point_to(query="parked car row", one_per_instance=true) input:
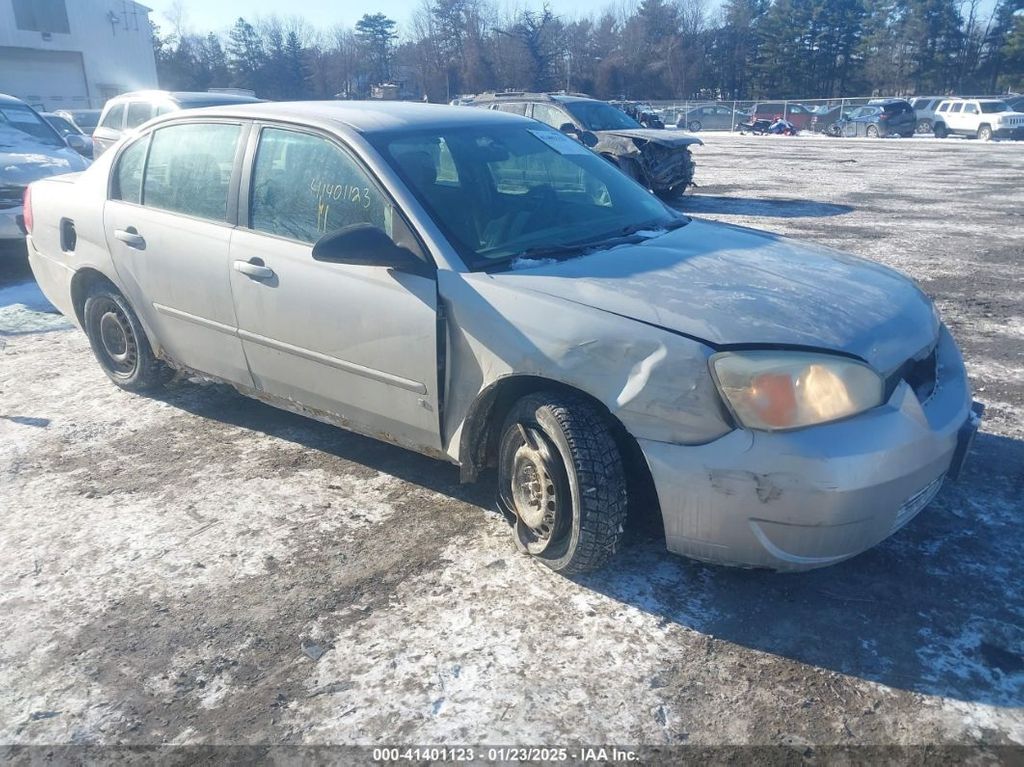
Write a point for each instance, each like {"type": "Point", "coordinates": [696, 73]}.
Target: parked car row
{"type": "Point", "coordinates": [34, 145]}
{"type": "Point", "coordinates": [888, 116]}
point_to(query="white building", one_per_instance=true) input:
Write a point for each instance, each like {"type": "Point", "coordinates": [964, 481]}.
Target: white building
{"type": "Point", "coordinates": [74, 53]}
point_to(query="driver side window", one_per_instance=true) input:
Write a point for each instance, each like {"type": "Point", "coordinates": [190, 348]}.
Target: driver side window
{"type": "Point", "coordinates": [304, 186]}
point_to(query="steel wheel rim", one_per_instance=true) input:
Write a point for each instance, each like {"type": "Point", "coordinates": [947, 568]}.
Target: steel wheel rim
{"type": "Point", "coordinates": [117, 339]}
{"type": "Point", "coordinates": [539, 492]}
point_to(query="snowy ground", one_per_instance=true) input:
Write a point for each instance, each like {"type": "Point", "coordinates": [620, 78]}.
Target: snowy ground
{"type": "Point", "coordinates": [201, 568]}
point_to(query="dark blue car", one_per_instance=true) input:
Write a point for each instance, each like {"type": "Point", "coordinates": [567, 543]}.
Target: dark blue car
{"type": "Point", "coordinates": [878, 118]}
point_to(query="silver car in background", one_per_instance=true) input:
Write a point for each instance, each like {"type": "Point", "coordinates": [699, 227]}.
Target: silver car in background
{"type": "Point", "coordinates": [481, 288]}
{"type": "Point", "coordinates": [30, 149]}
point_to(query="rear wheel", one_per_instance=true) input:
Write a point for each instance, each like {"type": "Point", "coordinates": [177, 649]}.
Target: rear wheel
{"type": "Point", "coordinates": [940, 130]}
{"type": "Point", "coordinates": [871, 132]}
{"type": "Point", "coordinates": [120, 344]}
{"type": "Point", "coordinates": [561, 481]}
{"type": "Point", "coordinates": [924, 126]}
{"type": "Point", "coordinates": [694, 126]}
{"type": "Point", "coordinates": [985, 133]}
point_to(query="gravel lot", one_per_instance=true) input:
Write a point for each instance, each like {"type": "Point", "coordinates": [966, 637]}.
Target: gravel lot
{"type": "Point", "coordinates": [201, 568]}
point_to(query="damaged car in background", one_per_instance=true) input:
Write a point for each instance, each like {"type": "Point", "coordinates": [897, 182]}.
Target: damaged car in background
{"type": "Point", "coordinates": [481, 288]}
{"type": "Point", "coordinates": [660, 160]}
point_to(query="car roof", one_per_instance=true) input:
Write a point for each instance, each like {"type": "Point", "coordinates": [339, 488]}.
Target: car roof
{"type": "Point", "coordinates": [361, 116]}
{"type": "Point", "coordinates": [491, 97]}
{"type": "Point", "coordinates": [190, 97]}
{"type": "Point", "coordinates": [5, 99]}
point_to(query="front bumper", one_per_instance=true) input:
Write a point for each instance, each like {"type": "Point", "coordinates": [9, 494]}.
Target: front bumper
{"type": "Point", "coordinates": [667, 168]}
{"type": "Point", "coordinates": [812, 497]}
{"type": "Point", "coordinates": [1016, 133]}
{"type": "Point", "coordinates": [11, 223]}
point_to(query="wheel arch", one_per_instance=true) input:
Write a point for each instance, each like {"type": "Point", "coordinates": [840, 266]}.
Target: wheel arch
{"type": "Point", "coordinates": [84, 280]}
{"type": "Point", "coordinates": [481, 432]}
{"type": "Point", "coordinates": [82, 283]}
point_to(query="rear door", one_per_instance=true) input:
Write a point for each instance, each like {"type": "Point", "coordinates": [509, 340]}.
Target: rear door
{"type": "Point", "coordinates": [168, 223]}
{"type": "Point", "coordinates": [355, 343]}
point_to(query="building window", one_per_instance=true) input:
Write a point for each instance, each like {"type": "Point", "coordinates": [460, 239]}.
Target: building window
{"type": "Point", "coordinates": [41, 16]}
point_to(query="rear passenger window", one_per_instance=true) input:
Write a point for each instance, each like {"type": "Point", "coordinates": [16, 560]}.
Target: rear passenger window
{"type": "Point", "coordinates": [304, 186]}
{"type": "Point", "coordinates": [138, 113]}
{"type": "Point", "coordinates": [113, 118]}
{"type": "Point", "coordinates": [970, 109]}
{"type": "Point", "coordinates": [189, 169]}
{"type": "Point", "coordinates": [516, 109]}
{"type": "Point", "coordinates": [128, 175]}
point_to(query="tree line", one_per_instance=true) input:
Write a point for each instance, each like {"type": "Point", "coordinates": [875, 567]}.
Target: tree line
{"type": "Point", "coordinates": [655, 49]}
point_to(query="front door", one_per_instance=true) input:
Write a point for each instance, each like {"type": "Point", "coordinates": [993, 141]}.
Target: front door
{"type": "Point", "coordinates": [168, 225]}
{"type": "Point", "coordinates": [355, 343]}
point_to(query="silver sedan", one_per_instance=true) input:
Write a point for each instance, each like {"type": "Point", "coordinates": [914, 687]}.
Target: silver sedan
{"type": "Point", "coordinates": [478, 287]}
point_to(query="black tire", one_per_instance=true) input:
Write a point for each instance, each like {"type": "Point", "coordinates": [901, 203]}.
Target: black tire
{"type": "Point", "coordinates": [985, 133]}
{"type": "Point", "coordinates": [871, 132]}
{"type": "Point", "coordinates": [561, 481]}
{"type": "Point", "coordinates": [940, 130]}
{"type": "Point", "coordinates": [924, 126]}
{"type": "Point", "coordinates": [120, 344]}
{"type": "Point", "coordinates": [694, 126]}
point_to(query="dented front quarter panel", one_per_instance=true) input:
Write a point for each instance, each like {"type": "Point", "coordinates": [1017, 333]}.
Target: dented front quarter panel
{"type": "Point", "coordinates": [654, 381]}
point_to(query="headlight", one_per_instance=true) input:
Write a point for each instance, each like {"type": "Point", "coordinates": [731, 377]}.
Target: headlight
{"type": "Point", "coordinates": [785, 390]}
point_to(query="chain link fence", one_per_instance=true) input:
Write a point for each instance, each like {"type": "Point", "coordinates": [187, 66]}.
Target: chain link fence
{"type": "Point", "coordinates": [709, 115]}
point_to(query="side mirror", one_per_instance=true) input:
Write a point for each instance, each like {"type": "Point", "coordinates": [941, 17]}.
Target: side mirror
{"type": "Point", "coordinates": [76, 141]}
{"type": "Point", "coordinates": [367, 245]}
{"type": "Point", "coordinates": [585, 137]}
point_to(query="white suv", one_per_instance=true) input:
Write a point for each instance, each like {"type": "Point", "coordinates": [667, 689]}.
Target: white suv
{"type": "Point", "coordinates": [985, 119]}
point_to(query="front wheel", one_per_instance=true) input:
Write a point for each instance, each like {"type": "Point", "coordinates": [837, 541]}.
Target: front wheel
{"type": "Point", "coordinates": [120, 344]}
{"type": "Point", "coordinates": [984, 133]}
{"type": "Point", "coordinates": [562, 482]}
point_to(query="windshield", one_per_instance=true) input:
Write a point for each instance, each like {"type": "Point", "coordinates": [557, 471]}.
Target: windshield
{"type": "Point", "coordinates": [500, 193]}
{"type": "Point", "coordinates": [993, 107]}
{"type": "Point", "coordinates": [86, 119]}
{"type": "Point", "coordinates": [62, 126]}
{"type": "Point", "coordinates": [20, 118]}
{"type": "Point", "coordinates": [596, 115]}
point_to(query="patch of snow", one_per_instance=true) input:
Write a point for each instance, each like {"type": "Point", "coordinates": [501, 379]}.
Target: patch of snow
{"type": "Point", "coordinates": [24, 309]}
{"type": "Point", "coordinates": [530, 263]}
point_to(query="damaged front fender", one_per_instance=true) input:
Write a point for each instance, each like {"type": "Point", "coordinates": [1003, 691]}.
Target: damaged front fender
{"type": "Point", "coordinates": [655, 382]}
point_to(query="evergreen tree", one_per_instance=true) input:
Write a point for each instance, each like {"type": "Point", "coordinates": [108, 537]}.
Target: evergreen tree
{"type": "Point", "coordinates": [376, 33]}
{"type": "Point", "coordinates": [246, 56]}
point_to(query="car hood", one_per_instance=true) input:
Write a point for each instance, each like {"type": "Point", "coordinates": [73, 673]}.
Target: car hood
{"type": "Point", "coordinates": [23, 160]}
{"type": "Point", "coordinates": [655, 135]}
{"type": "Point", "coordinates": [728, 285]}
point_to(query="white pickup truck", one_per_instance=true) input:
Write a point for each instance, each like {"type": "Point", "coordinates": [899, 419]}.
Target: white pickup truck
{"type": "Point", "coordinates": [984, 119]}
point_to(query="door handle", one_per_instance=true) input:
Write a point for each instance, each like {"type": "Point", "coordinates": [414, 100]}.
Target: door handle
{"type": "Point", "coordinates": [131, 238]}
{"type": "Point", "coordinates": [254, 270]}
